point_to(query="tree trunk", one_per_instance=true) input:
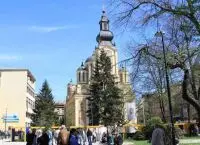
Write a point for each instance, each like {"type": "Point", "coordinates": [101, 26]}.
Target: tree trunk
{"type": "Point", "coordinates": [188, 111]}
{"type": "Point", "coordinates": [162, 109]}
{"type": "Point", "coordinates": [192, 101]}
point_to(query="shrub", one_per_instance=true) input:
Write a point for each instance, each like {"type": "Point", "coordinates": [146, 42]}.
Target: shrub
{"type": "Point", "coordinates": [139, 136]}
{"type": "Point", "coordinates": [179, 132]}
{"type": "Point", "coordinates": [151, 124]}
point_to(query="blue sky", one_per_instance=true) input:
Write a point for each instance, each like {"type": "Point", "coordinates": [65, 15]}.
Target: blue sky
{"type": "Point", "coordinates": [51, 38]}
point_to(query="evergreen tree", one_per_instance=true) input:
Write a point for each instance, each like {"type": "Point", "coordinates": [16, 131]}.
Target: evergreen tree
{"type": "Point", "coordinates": [44, 114]}
{"type": "Point", "coordinates": [95, 92]}
{"type": "Point", "coordinates": [106, 101]}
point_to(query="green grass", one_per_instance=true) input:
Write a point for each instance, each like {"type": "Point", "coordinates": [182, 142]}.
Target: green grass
{"type": "Point", "coordinates": [191, 144]}
{"type": "Point", "coordinates": [192, 137]}
{"type": "Point", "coordinates": [141, 142]}
{"type": "Point", "coordinates": [145, 142]}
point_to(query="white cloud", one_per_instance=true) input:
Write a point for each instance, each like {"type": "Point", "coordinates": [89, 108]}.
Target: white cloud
{"type": "Point", "coordinates": [5, 57]}
{"type": "Point", "coordinates": [47, 29]}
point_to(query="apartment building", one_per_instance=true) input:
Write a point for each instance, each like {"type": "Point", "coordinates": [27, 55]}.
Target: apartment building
{"type": "Point", "coordinates": [17, 98]}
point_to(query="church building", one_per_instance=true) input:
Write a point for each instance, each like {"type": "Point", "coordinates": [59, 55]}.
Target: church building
{"type": "Point", "coordinates": [76, 102]}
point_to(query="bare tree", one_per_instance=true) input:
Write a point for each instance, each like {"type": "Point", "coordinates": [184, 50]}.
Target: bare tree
{"type": "Point", "coordinates": [149, 10]}
{"type": "Point", "coordinates": [181, 21]}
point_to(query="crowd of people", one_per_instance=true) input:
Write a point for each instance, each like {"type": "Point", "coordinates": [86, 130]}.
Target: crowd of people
{"type": "Point", "coordinates": [64, 136]}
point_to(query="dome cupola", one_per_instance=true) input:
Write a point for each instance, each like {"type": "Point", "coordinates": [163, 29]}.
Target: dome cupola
{"type": "Point", "coordinates": [105, 34]}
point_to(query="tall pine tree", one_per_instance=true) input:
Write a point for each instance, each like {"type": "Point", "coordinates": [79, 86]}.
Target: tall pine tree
{"type": "Point", "coordinates": [106, 100]}
{"type": "Point", "coordinates": [44, 114]}
{"type": "Point", "coordinates": [95, 92]}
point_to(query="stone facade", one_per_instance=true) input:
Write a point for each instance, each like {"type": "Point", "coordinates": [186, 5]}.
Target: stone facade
{"type": "Point", "coordinates": [76, 102]}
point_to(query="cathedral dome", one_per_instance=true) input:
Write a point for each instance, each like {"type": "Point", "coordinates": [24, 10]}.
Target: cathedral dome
{"type": "Point", "coordinates": [82, 67]}
{"type": "Point", "coordinates": [105, 36]}
{"type": "Point", "coordinates": [89, 59]}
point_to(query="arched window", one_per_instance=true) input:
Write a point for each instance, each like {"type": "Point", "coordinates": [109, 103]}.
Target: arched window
{"type": "Point", "coordinates": [83, 76]}
{"type": "Point", "coordinates": [79, 76]}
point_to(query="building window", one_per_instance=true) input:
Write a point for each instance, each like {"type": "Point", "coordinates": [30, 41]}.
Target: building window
{"type": "Point", "coordinates": [121, 79]}
{"type": "Point", "coordinates": [105, 26]}
{"type": "Point", "coordinates": [79, 76]}
{"type": "Point", "coordinates": [83, 76]}
{"type": "Point", "coordinates": [30, 103]}
{"type": "Point", "coordinates": [91, 70]}
{"type": "Point", "coordinates": [30, 91]}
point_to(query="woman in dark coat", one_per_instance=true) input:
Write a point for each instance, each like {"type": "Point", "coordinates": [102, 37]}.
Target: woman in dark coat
{"type": "Point", "coordinates": [44, 139]}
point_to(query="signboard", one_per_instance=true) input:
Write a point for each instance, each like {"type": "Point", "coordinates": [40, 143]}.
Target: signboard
{"type": "Point", "coordinates": [11, 118]}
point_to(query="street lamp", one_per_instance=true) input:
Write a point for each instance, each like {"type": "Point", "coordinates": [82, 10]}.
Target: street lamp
{"type": "Point", "coordinates": [161, 34]}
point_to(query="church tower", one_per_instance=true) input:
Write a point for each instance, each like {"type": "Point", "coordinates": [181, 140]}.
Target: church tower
{"type": "Point", "coordinates": [76, 102]}
{"type": "Point", "coordinates": [104, 40]}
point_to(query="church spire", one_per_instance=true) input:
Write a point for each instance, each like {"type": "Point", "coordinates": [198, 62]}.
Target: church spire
{"type": "Point", "coordinates": [104, 22]}
{"type": "Point", "coordinates": [105, 34]}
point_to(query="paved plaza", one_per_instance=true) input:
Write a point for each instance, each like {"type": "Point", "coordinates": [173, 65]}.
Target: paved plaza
{"type": "Point", "coordinates": [6, 142]}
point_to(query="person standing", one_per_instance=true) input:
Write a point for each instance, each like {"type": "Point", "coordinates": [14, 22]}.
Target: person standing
{"type": "Point", "coordinates": [31, 137]}
{"type": "Point", "coordinates": [158, 136]}
{"type": "Point", "coordinates": [80, 136]}
{"type": "Point", "coordinates": [50, 135]}
{"type": "Point", "coordinates": [63, 136]}
{"type": "Point", "coordinates": [94, 137]}
{"type": "Point", "coordinates": [55, 136]}
{"type": "Point", "coordinates": [73, 139]}
{"type": "Point", "coordinates": [118, 139]}
{"type": "Point", "coordinates": [44, 139]}
{"type": "Point", "coordinates": [89, 136]}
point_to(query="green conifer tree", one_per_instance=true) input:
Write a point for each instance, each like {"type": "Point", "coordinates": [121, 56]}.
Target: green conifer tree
{"type": "Point", "coordinates": [95, 92]}
{"type": "Point", "coordinates": [44, 114]}
{"type": "Point", "coordinates": [106, 100]}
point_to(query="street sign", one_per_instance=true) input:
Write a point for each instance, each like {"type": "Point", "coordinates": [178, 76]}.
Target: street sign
{"type": "Point", "coordinates": [10, 118]}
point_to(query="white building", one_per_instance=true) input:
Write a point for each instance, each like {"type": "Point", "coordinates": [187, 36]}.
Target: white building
{"type": "Point", "coordinates": [17, 97]}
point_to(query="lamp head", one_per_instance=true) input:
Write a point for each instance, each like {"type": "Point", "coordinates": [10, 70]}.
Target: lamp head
{"type": "Point", "coordinates": [159, 33]}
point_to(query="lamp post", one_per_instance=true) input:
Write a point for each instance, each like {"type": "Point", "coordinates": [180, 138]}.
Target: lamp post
{"type": "Point", "coordinates": [160, 33]}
